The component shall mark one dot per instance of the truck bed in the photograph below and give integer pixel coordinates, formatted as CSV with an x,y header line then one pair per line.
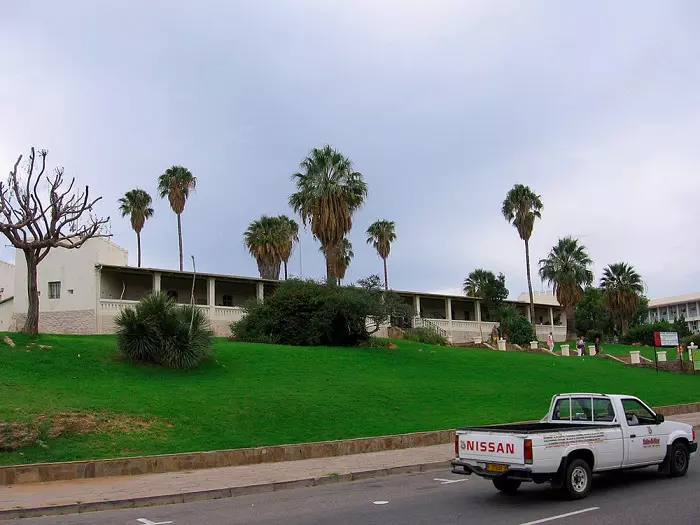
x,y
533,428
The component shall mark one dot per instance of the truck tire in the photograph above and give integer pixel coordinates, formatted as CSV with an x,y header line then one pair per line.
x,y
577,479
508,486
679,460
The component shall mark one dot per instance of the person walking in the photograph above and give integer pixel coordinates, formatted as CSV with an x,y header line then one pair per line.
x,y
580,346
550,342
597,346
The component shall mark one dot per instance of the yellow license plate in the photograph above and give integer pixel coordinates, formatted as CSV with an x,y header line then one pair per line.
x,y
496,467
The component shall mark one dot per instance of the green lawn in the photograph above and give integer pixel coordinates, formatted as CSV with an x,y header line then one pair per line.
x,y
252,395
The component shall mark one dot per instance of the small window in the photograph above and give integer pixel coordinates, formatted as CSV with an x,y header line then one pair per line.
x,y
637,414
55,290
581,409
172,294
562,410
227,300
603,410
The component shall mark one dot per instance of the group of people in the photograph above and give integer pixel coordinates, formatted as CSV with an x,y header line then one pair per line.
x,y
580,345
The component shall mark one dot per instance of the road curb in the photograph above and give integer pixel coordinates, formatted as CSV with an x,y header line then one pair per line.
x,y
210,494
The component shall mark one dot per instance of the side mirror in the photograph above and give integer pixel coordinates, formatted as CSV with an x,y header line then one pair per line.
x,y
659,419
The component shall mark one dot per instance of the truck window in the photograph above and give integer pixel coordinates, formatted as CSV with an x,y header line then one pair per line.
x,y
581,409
562,410
603,410
636,413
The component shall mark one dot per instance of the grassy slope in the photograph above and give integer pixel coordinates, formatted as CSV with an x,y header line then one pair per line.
x,y
263,395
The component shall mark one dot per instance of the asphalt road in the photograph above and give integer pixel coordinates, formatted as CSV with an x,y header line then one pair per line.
x,y
636,498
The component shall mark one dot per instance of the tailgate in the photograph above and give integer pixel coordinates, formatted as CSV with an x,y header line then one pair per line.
x,y
491,447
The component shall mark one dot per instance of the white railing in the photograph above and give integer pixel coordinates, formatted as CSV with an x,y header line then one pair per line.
x,y
465,326
229,313
109,306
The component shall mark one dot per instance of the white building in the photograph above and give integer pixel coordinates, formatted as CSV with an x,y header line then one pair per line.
x,y
83,290
672,308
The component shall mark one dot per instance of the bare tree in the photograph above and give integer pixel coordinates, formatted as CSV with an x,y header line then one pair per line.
x,y
64,220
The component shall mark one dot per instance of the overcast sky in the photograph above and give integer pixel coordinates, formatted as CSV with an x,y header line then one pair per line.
x,y
442,105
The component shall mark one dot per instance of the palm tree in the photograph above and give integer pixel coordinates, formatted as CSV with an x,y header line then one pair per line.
x,y
381,234
521,207
328,193
476,282
344,259
263,239
290,236
137,204
177,183
622,287
568,267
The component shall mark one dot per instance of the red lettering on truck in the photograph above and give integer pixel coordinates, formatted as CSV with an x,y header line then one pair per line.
x,y
490,446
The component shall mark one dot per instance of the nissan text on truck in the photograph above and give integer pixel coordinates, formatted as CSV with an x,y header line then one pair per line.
x,y
582,434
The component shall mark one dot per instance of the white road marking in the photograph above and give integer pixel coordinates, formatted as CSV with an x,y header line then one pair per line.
x,y
544,520
149,522
448,481
380,502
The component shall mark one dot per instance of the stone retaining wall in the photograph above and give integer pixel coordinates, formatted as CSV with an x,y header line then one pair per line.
x,y
43,472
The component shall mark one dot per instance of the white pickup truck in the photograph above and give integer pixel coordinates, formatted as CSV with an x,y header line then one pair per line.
x,y
581,434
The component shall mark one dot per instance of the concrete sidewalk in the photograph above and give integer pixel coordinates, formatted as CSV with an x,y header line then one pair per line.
x,y
87,495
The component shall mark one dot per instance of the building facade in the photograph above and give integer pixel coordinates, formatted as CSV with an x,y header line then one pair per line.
x,y
672,308
83,290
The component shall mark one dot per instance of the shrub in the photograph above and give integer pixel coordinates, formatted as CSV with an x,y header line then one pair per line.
x,y
308,313
426,336
516,328
644,334
159,331
692,338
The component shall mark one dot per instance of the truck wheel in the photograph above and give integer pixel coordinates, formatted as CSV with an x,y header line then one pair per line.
x,y
577,479
679,460
509,486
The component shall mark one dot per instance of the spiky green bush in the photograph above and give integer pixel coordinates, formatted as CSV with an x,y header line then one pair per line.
x,y
159,331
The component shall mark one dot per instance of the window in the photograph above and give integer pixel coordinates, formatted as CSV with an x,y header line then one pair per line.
x,y
562,410
172,294
55,290
581,409
637,414
227,300
603,410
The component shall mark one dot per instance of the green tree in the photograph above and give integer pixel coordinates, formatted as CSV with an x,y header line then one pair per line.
x,y
290,235
622,287
489,287
137,205
641,314
591,315
568,268
521,207
176,184
381,234
263,238
329,192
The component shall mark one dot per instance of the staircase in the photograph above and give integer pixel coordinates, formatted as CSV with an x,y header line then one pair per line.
x,y
419,322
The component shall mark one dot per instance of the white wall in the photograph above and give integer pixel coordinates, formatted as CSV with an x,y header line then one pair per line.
x,y
74,269
7,279
6,321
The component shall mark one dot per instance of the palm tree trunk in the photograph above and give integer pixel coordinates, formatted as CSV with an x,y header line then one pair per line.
x,y
331,257
529,282
285,270
138,247
386,278
179,238
570,324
